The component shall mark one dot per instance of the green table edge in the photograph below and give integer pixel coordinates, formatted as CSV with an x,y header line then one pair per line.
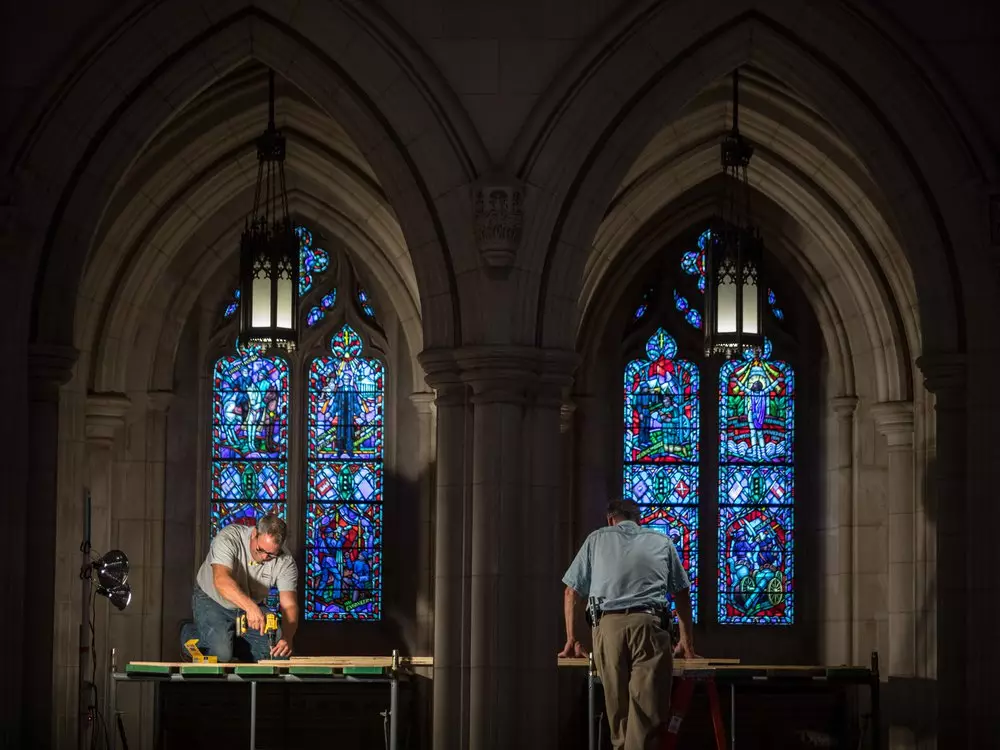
x,y
255,669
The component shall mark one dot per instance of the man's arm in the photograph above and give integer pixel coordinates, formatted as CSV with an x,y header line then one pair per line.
x,y
685,647
227,587
571,608
289,623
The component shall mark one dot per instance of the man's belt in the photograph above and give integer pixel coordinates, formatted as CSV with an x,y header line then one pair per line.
x,y
647,610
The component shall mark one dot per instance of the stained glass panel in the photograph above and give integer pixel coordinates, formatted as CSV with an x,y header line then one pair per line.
x,y
756,490
247,514
756,565
756,411
344,508
249,437
344,561
661,446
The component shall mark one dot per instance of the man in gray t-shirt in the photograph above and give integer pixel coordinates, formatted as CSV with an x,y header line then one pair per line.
x,y
242,566
628,571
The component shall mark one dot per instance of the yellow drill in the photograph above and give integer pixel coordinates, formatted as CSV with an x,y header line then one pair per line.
x,y
270,627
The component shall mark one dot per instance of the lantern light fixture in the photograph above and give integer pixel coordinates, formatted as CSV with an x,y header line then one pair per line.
x,y
734,292
269,249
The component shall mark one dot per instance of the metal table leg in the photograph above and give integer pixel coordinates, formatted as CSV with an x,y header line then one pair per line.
x,y
253,714
112,705
394,712
591,719
732,715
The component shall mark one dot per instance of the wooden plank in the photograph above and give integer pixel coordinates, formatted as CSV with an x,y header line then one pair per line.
x,y
573,661
255,669
150,668
363,661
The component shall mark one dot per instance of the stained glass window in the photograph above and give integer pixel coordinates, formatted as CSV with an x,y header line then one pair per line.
x,y
318,312
693,264
365,302
756,490
249,438
344,487
661,446
311,259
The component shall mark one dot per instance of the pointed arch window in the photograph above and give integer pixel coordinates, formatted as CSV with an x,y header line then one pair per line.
x,y
756,490
661,447
249,437
345,480
751,432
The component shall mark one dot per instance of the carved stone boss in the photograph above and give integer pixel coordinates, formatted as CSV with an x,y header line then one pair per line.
x,y
498,205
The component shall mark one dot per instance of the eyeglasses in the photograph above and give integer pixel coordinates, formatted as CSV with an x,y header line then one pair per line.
x,y
268,555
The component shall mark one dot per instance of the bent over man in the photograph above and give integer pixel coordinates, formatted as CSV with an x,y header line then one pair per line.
x,y
242,566
627,572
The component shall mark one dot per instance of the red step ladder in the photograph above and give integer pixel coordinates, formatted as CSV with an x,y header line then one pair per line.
x,y
680,702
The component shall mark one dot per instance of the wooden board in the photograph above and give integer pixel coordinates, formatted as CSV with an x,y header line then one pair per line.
x,y
576,661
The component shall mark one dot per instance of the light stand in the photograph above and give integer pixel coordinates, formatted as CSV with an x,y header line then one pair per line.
x,y
109,575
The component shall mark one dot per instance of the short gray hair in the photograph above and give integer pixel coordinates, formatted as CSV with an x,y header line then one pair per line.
x,y
272,526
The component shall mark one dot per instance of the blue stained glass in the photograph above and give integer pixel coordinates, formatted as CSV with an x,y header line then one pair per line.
x,y
311,259
693,317
344,471
756,490
680,302
231,308
249,437
329,300
314,316
366,307
661,445
343,561
756,565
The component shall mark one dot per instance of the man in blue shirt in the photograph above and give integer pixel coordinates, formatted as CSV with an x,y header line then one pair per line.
x,y
627,572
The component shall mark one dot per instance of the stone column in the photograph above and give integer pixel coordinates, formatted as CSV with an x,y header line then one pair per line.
x,y
895,421
515,602
945,377
450,710
838,533
104,420
496,604
423,402
49,368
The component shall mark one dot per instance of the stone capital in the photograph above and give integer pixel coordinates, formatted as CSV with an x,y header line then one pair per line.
x,y
844,406
944,375
104,415
423,401
50,366
894,419
498,217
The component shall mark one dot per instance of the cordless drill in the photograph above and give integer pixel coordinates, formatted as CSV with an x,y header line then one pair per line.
x,y
270,627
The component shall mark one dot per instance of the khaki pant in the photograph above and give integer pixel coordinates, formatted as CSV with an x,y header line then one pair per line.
x,y
633,657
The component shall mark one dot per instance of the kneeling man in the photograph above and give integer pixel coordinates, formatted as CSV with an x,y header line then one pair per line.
x,y
242,566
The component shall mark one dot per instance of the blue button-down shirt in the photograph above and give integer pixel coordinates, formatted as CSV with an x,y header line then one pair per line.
x,y
627,566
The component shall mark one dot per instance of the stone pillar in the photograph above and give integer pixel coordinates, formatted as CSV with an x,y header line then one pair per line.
x,y
945,377
496,605
515,601
49,368
450,710
104,420
423,402
895,421
838,535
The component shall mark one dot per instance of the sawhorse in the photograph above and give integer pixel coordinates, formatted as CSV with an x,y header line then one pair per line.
x,y
680,701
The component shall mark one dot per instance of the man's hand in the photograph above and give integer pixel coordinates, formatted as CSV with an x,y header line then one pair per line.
x,y
684,650
282,649
573,647
255,619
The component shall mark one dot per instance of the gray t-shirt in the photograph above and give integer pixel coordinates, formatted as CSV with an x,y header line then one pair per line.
x,y
627,566
231,547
